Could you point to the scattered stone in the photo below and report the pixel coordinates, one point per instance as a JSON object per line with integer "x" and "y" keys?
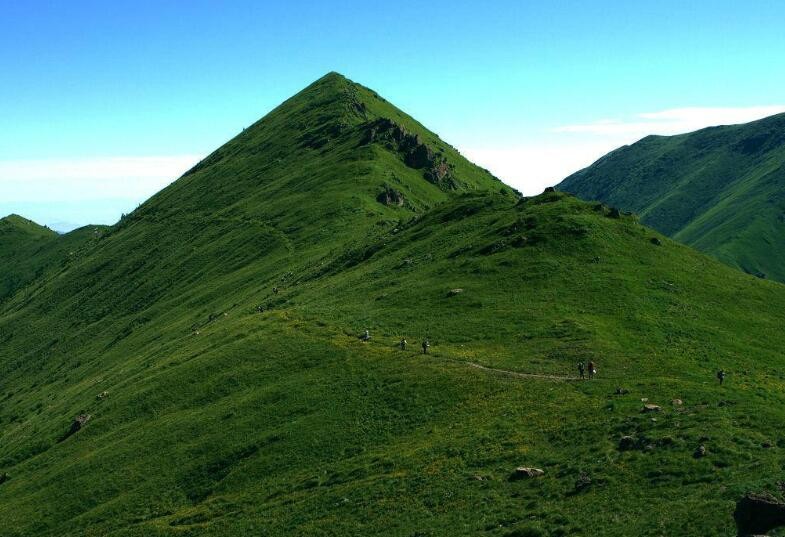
{"x": 758, "y": 513}
{"x": 656, "y": 242}
{"x": 615, "y": 213}
{"x": 523, "y": 472}
{"x": 621, "y": 391}
{"x": 649, "y": 407}
{"x": 627, "y": 443}
{"x": 103, "y": 395}
{"x": 76, "y": 426}
{"x": 79, "y": 422}
{"x": 479, "y": 478}
{"x": 677, "y": 402}
{"x": 583, "y": 482}
{"x": 454, "y": 292}
{"x": 700, "y": 452}
{"x": 644, "y": 399}
{"x": 648, "y": 447}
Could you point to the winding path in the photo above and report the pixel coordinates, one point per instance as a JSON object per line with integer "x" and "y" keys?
{"x": 520, "y": 375}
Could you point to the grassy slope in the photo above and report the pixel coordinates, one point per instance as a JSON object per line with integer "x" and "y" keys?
{"x": 718, "y": 189}
{"x": 224, "y": 421}
{"x": 28, "y": 251}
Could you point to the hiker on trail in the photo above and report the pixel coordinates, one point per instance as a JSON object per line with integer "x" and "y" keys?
{"x": 592, "y": 370}
{"x": 366, "y": 336}
{"x": 721, "y": 376}
{"x": 403, "y": 344}
{"x": 425, "y": 346}
{"x": 582, "y": 370}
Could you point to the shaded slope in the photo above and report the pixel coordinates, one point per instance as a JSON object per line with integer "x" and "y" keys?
{"x": 721, "y": 190}
{"x": 219, "y": 419}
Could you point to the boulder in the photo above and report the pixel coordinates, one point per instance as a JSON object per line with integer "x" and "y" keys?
{"x": 627, "y": 443}
{"x": 454, "y": 292}
{"x": 650, "y": 407}
{"x": 677, "y": 402}
{"x": 656, "y": 242}
{"x": 523, "y": 472}
{"x": 758, "y": 513}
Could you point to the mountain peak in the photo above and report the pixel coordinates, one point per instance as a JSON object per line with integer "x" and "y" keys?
{"x": 334, "y": 146}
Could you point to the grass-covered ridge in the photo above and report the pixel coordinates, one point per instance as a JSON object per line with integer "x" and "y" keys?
{"x": 720, "y": 190}
{"x": 220, "y": 419}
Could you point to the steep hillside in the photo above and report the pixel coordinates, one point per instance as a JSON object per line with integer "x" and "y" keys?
{"x": 721, "y": 190}
{"x": 212, "y": 338}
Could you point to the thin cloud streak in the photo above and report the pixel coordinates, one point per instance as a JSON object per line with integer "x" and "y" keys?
{"x": 672, "y": 121}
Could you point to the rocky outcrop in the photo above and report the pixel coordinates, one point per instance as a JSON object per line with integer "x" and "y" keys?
{"x": 391, "y": 197}
{"x": 413, "y": 150}
{"x": 758, "y": 513}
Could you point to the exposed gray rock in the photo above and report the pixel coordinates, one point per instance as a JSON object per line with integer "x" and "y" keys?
{"x": 523, "y": 472}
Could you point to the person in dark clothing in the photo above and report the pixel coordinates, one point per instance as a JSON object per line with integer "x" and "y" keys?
{"x": 592, "y": 370}
{"x": 721, "y": 376}
{"x": 403, "y": 344}
{"x": 425, "y": 346}
{"x": 582, "y": 370}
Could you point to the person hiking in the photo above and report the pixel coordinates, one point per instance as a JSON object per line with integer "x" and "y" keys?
{"x": 366, "y": 336}
{"x": 592, "y": 369}
{"x": 425, "y": 346}
{"x": 721, "y": 376}
{"x": 403, "y": 344}
{"x": 582, "y": 370}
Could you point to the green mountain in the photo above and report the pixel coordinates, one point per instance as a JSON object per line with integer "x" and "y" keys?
{"x": 196, "y": 369}
{"x": 720, "y": 190}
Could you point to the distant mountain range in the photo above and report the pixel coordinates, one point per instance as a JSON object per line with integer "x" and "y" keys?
{"x": 200, "y": 368}
{"x": 720, "y": 190}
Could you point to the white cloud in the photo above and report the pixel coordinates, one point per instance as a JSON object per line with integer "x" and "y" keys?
{"x": 65, "y": 180}
{"x": 530, "y": 166}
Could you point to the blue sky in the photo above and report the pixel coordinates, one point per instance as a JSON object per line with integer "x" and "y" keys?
{"x": 103, "y": 103}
